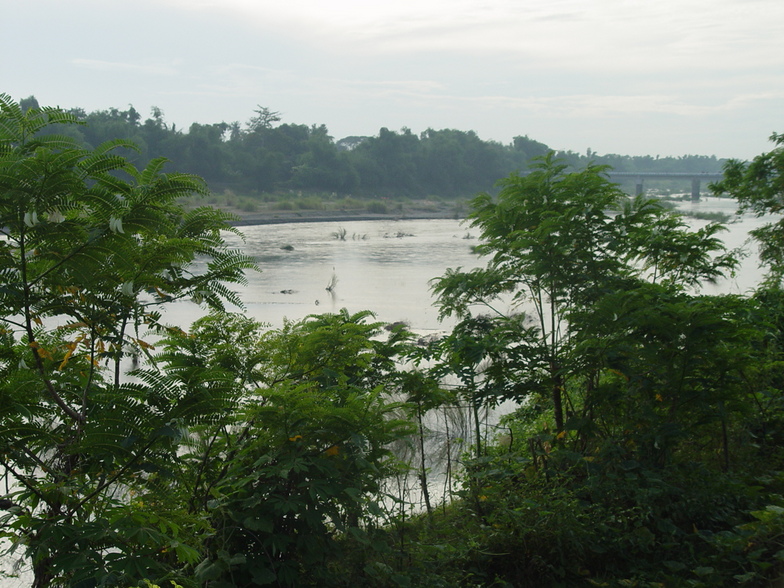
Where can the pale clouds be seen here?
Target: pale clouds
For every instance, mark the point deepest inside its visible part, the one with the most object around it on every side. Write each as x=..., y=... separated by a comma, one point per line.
x=626, y=76
x=618, y=33
x=133, y=68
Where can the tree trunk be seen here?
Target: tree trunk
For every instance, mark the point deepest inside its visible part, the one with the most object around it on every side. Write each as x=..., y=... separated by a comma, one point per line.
x=422, y=466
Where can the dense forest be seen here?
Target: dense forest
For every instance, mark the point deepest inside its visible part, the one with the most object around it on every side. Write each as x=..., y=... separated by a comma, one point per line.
x=646, y=448
x=265, y=155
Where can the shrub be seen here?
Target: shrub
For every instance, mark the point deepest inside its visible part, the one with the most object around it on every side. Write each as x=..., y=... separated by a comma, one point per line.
x=377, y=207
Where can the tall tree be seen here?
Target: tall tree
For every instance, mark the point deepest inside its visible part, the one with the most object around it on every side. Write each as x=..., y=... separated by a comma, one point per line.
x=557, y=241
x=295, y=469
x=265, y=119
x=91, y=249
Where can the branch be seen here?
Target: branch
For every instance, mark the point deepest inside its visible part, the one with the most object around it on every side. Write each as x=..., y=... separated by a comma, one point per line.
x=113, y=479
x=23, y=480
x=58, y=400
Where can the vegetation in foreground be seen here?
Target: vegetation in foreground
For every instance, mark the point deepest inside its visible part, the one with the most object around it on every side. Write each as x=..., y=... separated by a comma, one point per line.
x=646, y=449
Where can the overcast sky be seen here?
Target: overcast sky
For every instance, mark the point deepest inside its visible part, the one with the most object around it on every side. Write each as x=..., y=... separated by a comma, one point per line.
x=664, y=77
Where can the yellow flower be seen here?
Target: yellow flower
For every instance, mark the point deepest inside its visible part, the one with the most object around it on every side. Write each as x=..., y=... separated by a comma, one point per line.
x=295, y=438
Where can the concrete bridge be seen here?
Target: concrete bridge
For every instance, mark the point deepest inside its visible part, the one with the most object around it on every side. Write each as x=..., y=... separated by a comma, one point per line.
x=696, y=179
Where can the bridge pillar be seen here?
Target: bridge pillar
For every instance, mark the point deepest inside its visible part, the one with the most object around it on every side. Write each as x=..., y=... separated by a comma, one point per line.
x=695, y=189
x=638, y=186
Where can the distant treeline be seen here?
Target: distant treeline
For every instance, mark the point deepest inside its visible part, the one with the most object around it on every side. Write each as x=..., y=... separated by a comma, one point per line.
x=263, y=155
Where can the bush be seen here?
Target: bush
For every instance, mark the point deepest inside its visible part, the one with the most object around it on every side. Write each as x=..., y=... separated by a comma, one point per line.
x=377, y=207
x=349, y=204
x=310, y=203
x=578, y=522
x=248, y=205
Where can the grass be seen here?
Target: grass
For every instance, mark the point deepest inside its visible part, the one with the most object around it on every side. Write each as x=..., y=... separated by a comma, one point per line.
x=298, y=201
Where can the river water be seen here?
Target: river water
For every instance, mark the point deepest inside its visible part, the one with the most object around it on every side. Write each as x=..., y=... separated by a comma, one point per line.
x=749, y=274
x=386, y=266
x=382, y=266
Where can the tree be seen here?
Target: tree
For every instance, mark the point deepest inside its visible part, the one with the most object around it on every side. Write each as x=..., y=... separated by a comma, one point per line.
x=661, y=468
x=387, y=163
x=349, y=143
x=528, y=149
x=264, y=119
x=758, y=186
x=203, y=151
x=92, y=248
x=669, y=370
x=293, y=471
x=557, y=242
x=27, y=103
x=322, y=166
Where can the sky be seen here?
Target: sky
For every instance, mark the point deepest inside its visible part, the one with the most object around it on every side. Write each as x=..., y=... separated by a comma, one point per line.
x=632, y=77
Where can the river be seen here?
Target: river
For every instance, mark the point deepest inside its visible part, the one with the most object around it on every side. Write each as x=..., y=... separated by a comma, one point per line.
x=382, y=266
x=386, y=266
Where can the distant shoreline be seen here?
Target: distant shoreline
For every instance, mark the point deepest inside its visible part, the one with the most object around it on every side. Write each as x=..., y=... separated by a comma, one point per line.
x=326, y=216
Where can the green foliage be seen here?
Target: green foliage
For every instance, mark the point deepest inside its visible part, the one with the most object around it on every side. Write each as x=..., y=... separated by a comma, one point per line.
x=557, y=243
x=377, y=207
x=91, y=247
x=672, y=363
x=291, y=472
x=758, y=187
x=755, y=547
x=714, y=217
x=646, y=449
x=585, y=523
x=148, y=584
x=306, y=478
x=667, y=448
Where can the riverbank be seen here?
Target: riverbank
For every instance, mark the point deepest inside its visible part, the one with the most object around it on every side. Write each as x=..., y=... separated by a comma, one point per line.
x=323, y=216
x=413, y=211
